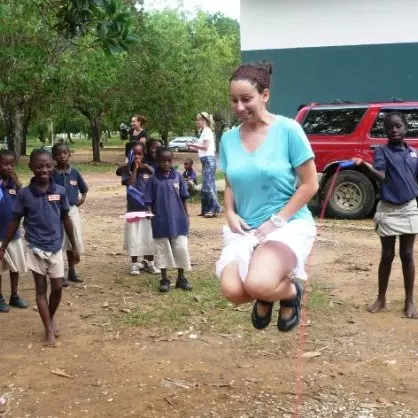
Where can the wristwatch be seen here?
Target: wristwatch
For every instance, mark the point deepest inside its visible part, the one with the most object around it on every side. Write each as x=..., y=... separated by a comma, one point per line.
x=277, y=221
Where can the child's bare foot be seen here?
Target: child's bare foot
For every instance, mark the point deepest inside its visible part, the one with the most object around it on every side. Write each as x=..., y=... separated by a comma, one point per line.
x=410, y=310
x=57, y=331
x=378, y=305
x=49, y=338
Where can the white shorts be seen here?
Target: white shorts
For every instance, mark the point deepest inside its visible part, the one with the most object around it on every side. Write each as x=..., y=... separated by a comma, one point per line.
x=138, y=240
x=14, y=259
x=76, y=221
x=53, y=267
x=299, y=235
x=172, y=253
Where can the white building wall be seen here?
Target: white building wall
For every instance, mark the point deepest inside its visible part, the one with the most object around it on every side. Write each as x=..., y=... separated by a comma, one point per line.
x=281, y=24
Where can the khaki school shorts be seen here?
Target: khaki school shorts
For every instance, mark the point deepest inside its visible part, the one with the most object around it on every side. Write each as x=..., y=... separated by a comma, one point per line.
x=53, y=267
x=172, y=253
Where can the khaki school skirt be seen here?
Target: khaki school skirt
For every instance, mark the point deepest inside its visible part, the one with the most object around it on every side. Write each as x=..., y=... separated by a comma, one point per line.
x=396, y=219
x=14, y=258
x=78, y=236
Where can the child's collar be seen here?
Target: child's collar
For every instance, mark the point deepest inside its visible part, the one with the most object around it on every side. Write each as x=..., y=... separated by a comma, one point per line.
x=36, y=191
x=66, y=170
x=8, y=184
x=160, y=174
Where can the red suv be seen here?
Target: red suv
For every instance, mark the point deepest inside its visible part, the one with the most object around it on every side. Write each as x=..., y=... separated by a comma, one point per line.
x=341, y=131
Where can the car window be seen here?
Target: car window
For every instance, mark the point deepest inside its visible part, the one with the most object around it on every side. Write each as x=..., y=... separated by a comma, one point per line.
x=378, y=129
x=332, y=121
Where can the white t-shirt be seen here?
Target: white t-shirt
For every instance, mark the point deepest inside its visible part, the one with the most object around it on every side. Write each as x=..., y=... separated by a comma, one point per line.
x=207, y=135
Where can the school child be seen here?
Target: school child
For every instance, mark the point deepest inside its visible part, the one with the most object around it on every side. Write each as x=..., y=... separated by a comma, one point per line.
x=395, y=167
x=151, y=152
x=190, y=175
x=76, y=189
x=138, y=238
x=166, y=195
x=44, y=206
x=14, y=259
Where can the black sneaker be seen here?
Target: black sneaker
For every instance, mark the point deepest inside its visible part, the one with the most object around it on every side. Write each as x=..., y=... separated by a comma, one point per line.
x=17, y=302
x=182, y=283
x=4, y=308
x=164, y=285
x=72, y=277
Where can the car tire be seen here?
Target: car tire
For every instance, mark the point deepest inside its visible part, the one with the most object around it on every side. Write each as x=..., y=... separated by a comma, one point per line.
x=353, y=197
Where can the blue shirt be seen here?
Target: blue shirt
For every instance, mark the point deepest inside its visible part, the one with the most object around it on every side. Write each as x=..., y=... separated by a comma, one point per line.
x=166, y=195
x=190, y=175
x=43, y=213
x=9, y=191
x=73, y=183
x=400, y=165
x=263, y=181
x=140, y=184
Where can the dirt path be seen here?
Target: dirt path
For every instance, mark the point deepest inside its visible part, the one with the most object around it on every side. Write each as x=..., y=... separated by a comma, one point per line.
x=209, y=362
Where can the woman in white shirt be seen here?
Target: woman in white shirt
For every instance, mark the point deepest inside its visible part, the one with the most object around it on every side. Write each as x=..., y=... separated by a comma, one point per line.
x=206, y=152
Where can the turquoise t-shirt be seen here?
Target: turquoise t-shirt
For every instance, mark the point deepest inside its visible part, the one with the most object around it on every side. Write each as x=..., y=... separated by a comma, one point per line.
x=263, y=181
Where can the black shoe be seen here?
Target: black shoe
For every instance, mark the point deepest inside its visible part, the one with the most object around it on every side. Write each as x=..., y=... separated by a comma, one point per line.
x=286, y=325
x=261, y=322
x=17, y=302
x=182, y=283
x=164, y=285
x=4, y=308
x=72, y=277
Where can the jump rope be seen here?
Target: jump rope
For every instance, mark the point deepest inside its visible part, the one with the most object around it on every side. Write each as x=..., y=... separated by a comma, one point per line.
x=302, y=328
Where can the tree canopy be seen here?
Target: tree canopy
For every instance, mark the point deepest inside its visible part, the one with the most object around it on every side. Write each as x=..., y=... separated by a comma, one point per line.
x=104, y=60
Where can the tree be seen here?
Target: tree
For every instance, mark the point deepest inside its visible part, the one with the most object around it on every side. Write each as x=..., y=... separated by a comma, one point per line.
x=88, y=82
x=34, y=34
x=181, y=68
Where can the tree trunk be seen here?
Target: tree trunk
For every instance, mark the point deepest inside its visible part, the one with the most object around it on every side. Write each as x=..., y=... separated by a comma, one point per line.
x=42, y=136
x=16, y=114
x=95, y=125
x=164, y=136
x=69, y=138
x=26, y=120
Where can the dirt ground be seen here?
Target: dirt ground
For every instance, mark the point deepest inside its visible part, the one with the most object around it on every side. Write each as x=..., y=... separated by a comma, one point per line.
x=210, y=363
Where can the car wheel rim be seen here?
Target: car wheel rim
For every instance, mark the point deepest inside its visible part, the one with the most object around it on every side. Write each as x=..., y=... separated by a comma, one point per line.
x=348, y=197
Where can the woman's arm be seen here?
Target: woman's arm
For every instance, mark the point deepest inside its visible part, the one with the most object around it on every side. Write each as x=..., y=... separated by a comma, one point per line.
x=307, y=189
x=204, y=146
x=235, y=222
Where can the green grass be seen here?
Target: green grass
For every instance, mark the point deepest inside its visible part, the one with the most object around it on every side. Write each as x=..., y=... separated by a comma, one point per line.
x=318, y=298
x=219, y=176
x=25, y=174
x=204, y=307
x=79, y=143
x=195, y=198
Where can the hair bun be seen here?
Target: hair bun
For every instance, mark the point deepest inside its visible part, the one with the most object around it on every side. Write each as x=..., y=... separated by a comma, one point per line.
x=268, y=66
